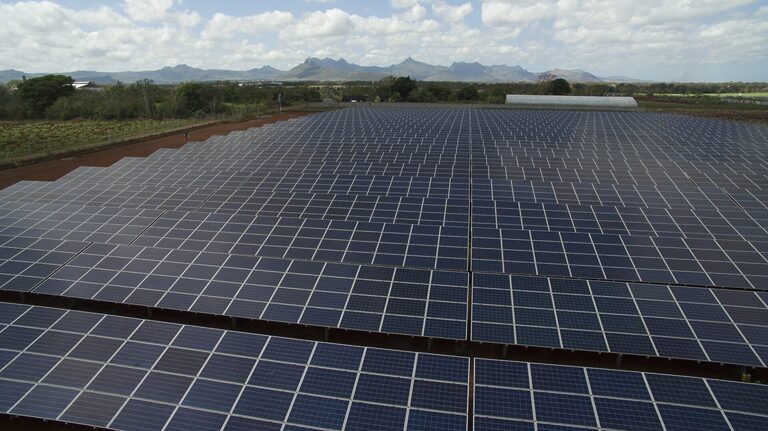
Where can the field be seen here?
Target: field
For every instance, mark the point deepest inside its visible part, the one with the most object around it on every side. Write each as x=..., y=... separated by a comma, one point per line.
x=21, y=139
x=744, y=95
x=704, y=107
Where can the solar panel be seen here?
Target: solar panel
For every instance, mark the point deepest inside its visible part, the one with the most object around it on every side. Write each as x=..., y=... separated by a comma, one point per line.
x=122, y=373
x=528, y=396
x=395, y=300
x=652, y=320
x=598, y=232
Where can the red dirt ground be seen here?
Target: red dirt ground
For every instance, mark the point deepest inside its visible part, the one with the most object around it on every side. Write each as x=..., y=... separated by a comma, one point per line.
x=53, y=169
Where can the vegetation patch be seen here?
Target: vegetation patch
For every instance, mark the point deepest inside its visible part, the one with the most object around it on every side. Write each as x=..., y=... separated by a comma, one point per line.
x=26, y=138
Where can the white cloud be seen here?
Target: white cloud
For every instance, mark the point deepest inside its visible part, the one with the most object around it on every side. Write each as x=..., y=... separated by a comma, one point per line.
x=332, y=22
x=506, y=12
x=403, y=4
x=148, y=10
x=452, y=14
x=223, y=26
x=612, y=34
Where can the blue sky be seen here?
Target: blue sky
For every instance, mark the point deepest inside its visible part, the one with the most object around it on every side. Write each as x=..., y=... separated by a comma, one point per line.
x=671, y=40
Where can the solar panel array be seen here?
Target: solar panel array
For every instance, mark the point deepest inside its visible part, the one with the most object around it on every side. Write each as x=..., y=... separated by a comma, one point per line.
x=624, y=233
x=133, y=374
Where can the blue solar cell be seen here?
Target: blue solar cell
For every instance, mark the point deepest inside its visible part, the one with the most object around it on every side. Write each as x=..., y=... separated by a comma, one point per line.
x=10, y=312
x=195, y=420
x=740, y=397
x=138, y=415
x=238, y=423
x=564, y=409
x=11, y=392
x=389, y=362
x=277, y=375
x=629, y=415
x=331, y=383
x=318, y=412
x=73, y=373
x=75, y=321
x=163, y=387
x=96, y=348
x=264, y=403
x=426, y=420
x=155, y=332
x=619, y=384
x=137, y=355
x=117, y=380
x=210, y=395
x=54, y=343
x=680, y=390
x=438, y=367
x=18, y=338
x=197, y=338
x=44, y=402
x=494, y=424
x=742, y=422
x=228, y=368
x=560, y=379
x=94, y=409
x=383, y=389
x=692, y=419
x=364, y=417
x=503, y=403
x=439, y=396
x=181, y=361
x=29, y=366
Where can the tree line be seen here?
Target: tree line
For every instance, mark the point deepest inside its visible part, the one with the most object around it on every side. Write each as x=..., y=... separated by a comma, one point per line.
x=54, y=97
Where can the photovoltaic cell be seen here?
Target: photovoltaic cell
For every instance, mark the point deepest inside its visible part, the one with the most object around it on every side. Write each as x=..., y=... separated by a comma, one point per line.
x=592, y=398
x=622, y=232
x=172, y=388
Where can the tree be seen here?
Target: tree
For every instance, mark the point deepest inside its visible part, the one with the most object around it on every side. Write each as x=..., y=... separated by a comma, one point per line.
x=198, y=99
x=468, y=93
x=403, y=86
x=147, y=93
x=38, y=94
x=557, y=86
x=560, y=86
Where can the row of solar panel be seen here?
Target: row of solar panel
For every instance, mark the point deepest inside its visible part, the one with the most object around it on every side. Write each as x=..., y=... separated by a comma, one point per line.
x=638, y=132
x=406, y=301
x=150, y=175
x=684, y=261
x=716, y=325
x=131, y=374
x=483, y=165
x=687, y=223
x=692, y=323
x=729, y=263
x=420, y=187
x=485, y=162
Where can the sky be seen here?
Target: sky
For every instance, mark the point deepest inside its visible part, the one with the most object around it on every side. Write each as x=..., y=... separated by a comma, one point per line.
x=663, y=40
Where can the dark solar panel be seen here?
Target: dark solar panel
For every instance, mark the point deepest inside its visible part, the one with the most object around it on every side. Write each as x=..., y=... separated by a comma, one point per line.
x=159, y=375
x=625, y=233
x=520, y=395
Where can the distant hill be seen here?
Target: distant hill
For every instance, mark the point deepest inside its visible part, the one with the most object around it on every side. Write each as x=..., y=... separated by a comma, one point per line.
x=328, y=69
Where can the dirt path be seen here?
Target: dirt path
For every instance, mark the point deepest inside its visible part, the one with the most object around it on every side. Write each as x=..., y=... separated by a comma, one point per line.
x=53, y=169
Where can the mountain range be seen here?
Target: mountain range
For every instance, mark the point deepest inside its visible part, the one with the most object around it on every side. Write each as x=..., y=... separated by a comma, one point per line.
x=328, y=69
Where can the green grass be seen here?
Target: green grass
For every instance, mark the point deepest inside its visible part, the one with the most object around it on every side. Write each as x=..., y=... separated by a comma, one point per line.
x=745, y=95
x=704, y=107
x=27, y=138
